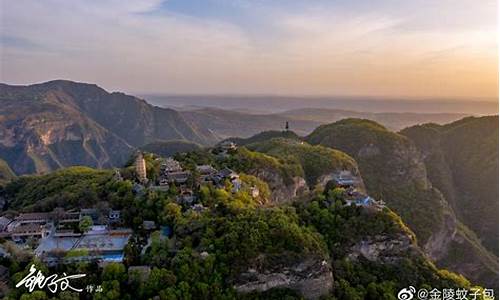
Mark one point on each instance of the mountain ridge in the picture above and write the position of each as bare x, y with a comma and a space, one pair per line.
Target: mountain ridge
394, 170
303, 120
62, 123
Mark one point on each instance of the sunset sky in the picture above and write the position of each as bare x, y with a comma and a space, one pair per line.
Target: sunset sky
393, 48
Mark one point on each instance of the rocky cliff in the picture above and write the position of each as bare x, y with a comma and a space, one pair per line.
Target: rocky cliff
468, 178
285, 179
43, 132
384, 249
310, 277
317, 164
282, 189
394, 170
61, 123
469, 181
309, 248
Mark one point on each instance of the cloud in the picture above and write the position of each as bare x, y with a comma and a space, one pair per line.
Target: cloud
104, 39
348, 47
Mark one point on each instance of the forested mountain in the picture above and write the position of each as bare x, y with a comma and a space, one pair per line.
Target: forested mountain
462, 161
237, 248
393, 169
62, 123
449, 198
266, 136
315, 161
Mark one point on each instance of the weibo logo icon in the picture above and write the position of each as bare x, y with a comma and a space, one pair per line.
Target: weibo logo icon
407, 293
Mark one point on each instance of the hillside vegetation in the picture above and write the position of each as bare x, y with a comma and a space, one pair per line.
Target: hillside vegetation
218, 253
314, 160
6, 174
265, 136
462, 161
468, 177
393, 169
67, 188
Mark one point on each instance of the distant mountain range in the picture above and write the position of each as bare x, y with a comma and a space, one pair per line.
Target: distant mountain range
228, 123
277, 104
62, 123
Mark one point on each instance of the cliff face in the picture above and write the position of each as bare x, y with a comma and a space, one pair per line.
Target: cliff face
47, 132
458, 249
452, 237
61, 123
438, 245
462, 161
469, 177
404, 165
395, 170
384, 249
282, 189
316, 165
310, 277
392, 169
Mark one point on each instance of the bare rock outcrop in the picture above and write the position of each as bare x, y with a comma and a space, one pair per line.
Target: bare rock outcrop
383, 248
282, 190
312, 278
437, 246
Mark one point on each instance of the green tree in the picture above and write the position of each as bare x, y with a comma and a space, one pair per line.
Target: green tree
172, 212
36, 295
114, 271
85, 224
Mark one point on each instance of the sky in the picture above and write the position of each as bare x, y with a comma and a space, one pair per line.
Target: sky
388, 48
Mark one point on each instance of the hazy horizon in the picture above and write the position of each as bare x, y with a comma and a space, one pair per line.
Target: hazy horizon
281, 103
418, 49
275, 103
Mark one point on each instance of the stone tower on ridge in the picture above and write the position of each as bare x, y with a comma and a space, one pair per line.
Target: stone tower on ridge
140, 167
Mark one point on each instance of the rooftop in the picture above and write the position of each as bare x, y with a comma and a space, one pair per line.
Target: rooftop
34, 216
226, 172
28, 228
149, 225
205, 169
